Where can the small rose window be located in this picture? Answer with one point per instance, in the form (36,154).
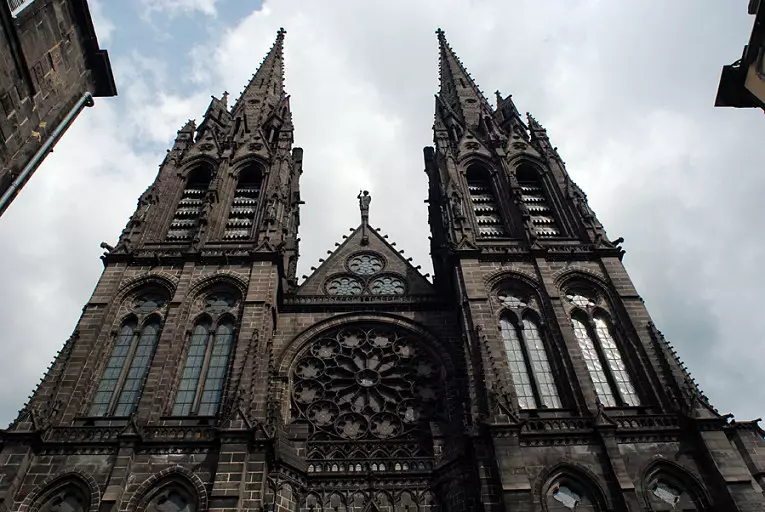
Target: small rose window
(582,298)
(387,285)
(365,264)
(512,299)
(344,286)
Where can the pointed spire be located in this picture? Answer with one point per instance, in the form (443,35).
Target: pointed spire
(458,89)
(266,87)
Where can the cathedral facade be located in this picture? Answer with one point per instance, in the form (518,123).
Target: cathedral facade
(525,376)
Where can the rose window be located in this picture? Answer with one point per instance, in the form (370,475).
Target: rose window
(365,264)
(512,299)
(387,285)
(581,298)
(344,286)
(365,383)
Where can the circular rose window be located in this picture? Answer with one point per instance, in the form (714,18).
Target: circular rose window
(365,383)
(365,264)
(344,286)
(387,285)
(512,299)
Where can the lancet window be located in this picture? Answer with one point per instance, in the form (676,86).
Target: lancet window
(601,353)
(669,488)
(68,496)
(122,380)
(525,352)
(536,202)
(241,215)
(565,493)
(185,223)
(200,389)
(484,201)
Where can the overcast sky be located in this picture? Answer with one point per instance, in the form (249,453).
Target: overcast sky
(625,88)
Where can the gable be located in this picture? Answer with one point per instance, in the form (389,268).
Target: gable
(356,269)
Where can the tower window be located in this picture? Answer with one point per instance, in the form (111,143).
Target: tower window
(242,213)
(185,222)
(536,202)
(484,201)
(528,363)
(601,354)
(122,380)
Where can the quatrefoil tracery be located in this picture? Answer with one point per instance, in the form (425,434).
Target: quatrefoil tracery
(360,383)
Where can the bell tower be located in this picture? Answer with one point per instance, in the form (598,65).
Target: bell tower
(560,347)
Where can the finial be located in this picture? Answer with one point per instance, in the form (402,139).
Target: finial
(364,200)
(439,32)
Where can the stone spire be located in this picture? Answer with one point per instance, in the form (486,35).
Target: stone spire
(265,92)
(458,89)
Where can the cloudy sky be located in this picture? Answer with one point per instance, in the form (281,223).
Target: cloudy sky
(625,89)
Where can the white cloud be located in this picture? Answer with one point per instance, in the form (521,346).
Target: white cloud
(176,7)
(629,107)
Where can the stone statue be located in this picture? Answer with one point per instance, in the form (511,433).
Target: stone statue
(364,200)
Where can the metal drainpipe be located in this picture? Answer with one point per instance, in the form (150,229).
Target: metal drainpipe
(85,101)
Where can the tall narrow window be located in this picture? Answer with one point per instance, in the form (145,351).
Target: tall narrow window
(601,354)
(185,222)
(527,356)
(122,380)
(484,201)
(204,375)
(244,205)
(536,202)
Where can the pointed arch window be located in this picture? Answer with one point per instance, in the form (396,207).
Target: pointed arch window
(609,374)
(526,352)
(121,383)
(536,202)
(528,363)
(484,201)
(244,205)
(204,374)
(185,223)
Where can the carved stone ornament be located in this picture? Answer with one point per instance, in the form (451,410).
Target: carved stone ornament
(255,146)
(365,383)
(519,146)
(206,146)
(472,146)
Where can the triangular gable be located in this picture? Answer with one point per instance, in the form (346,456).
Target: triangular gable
(394,266)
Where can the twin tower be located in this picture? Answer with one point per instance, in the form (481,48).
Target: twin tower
(527,376)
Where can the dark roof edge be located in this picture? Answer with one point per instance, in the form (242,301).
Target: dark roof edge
(96,58)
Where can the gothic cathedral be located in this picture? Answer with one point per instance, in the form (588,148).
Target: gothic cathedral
(525,376)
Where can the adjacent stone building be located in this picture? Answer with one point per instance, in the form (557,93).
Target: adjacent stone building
(50,68)
(527,376)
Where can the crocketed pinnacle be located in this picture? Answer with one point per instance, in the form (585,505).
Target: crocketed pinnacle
(458,89)
(265,91)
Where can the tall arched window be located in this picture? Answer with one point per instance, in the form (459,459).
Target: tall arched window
(668,487)
(244,205)
(484,201)
(123,378)
(125,373)
(566,492)
(185,222)
(604,361)
(526,354)
(535,199)
(204,374)
(68,495)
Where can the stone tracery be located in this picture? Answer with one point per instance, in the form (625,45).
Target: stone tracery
(370,382)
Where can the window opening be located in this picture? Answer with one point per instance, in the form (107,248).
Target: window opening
(484,203)
(185,221)
(535,200)
(242,213)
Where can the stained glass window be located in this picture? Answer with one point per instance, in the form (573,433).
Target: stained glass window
(216,370)
(139,368)
(344,286)
(149,302)
(591,359)
(135,349)
(365,264)
(540,365)
(187,390)
(217,303)
(581,298)
(517,364)
(387,285)
(209,353)
(615,362)
(529,366)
